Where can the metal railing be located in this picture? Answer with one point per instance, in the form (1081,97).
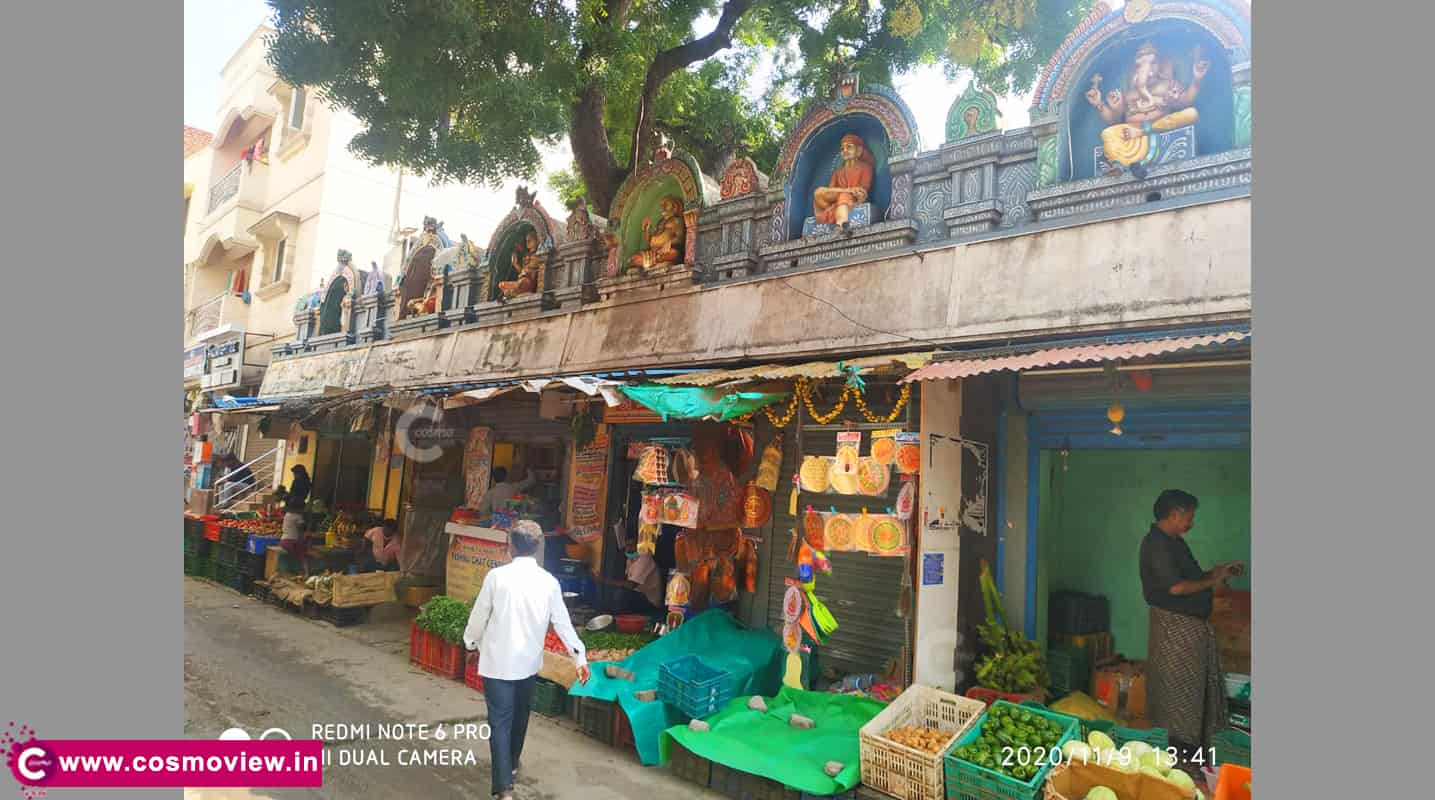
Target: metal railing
(206,316)
(225,188)
(230,491)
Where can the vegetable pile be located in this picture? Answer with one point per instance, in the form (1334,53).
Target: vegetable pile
(607,646)
(444,617)
(930,740)
(1011,663)
(1013,727)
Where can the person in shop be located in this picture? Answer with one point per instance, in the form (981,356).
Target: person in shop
(240,479)
(294,499)
(508,626)
(502,491)
(1186,687)
(380,549)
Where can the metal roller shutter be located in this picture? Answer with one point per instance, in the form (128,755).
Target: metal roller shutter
(863,592)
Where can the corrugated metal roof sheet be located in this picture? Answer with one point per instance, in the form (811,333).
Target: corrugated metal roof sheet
(811,369)
(1054,356)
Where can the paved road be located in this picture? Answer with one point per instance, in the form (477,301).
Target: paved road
(252,666)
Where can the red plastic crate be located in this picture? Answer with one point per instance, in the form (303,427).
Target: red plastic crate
(435,655)
(211,530)
(990,696)
(416,643)
(471,678)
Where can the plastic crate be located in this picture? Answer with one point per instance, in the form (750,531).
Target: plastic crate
(437,656)
(211,530)
(191,563)
(623,737)
(989,696)
(690,766)
(225,556)
(1101,647)
(904,772)
(251,564)
(1231,783)
(343,617)
(259,545)
(967,781)
(471,678)
(550,699)
(1078,613)
(693,687)
(1070,670)
(597,720)
(230,536)
(740,785)
(1158,738)
(1232,747)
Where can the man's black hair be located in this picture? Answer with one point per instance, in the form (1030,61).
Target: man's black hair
(500,474)
(1173,500)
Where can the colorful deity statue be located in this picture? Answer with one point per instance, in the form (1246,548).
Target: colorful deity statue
(527,264)
(1151,100)
(665,240)
(849,186)
(428,303)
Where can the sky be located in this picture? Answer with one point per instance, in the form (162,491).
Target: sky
(214,29)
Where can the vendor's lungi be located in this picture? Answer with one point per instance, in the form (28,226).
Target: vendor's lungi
(1186,686)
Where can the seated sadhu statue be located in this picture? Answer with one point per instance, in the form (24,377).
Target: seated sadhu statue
(850,185)
(1150,101)
(526,263)
(665,240)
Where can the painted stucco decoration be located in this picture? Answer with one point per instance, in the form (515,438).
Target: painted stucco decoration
(337,303)
(974,113)
(879,102)
(1243,116)
(742,178)
(420,289)
(636,201)
(581,225)
(1149,100)
(513,257)
(1227,21)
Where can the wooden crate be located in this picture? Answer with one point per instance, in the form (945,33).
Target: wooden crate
(368,589)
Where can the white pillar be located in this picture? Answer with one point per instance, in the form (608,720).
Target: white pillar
(938,553)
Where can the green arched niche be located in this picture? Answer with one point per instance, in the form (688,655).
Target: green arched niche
(644,203)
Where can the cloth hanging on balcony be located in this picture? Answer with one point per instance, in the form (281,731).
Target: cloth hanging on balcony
(694,402)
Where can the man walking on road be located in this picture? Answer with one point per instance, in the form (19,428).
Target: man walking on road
(508,626)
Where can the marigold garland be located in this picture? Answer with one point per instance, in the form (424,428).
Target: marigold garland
(803,389)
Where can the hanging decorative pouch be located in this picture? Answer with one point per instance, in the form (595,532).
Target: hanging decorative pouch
(681,509)
(906,500)
(651,510)
(771,465)
(684,468)
(756,506)
(648,538)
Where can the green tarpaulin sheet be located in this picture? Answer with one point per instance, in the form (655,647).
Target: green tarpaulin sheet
(763,743)
(694,402)
(753,657)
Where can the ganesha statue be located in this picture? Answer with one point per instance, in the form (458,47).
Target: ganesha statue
(665,240)
(1150,101)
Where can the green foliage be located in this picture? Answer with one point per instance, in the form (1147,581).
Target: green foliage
(469,91)
(568,185)
(444,617)
(1011,662)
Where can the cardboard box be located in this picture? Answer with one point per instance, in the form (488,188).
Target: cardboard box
(368,589)
(415,596)
(1121,687)
(559,668)
(1072,780)
(271,561)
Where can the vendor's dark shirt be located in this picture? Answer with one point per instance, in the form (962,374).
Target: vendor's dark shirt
(1166,561)
(298,493)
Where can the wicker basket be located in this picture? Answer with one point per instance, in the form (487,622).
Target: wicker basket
(904,772)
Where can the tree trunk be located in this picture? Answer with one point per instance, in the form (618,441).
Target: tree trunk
(591,150)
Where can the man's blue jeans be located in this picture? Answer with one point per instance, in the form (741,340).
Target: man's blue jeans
(508,706)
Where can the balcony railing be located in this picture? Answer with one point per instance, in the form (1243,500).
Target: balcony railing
(205,317)
(226,188)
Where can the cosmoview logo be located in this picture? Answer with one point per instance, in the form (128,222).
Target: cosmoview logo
(409,437)
(35,762)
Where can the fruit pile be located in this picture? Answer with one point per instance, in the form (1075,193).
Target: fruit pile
(256,527)
(928,740)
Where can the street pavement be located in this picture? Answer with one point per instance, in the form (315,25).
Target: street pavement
(251,666)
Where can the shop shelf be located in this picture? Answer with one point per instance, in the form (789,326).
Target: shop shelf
(689,766)
(1078,613)
(1232,747)
(967,781)
(905,772)
(596,718)
(550,699)
(693,687)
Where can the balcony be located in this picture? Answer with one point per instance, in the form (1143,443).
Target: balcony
(234,202)
(213,314)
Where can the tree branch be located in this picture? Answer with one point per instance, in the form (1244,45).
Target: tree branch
(673,59)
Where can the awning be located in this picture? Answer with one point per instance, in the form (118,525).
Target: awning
(227,404)
(1076,354)
(695,402)
(812,369)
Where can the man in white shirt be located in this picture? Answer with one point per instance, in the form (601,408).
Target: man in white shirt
(508,626)
(502,491)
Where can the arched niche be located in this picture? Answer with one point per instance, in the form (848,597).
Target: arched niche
(677,175)
(527,216)
(331,310)
(819,157)
(1176,41)
(418,272)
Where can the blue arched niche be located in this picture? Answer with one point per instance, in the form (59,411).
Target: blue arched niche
(819,156)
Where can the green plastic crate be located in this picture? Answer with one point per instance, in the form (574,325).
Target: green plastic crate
(549,699)
(967,781)
(1106,726)
(1069,668)
(1232,747)
(1158,738)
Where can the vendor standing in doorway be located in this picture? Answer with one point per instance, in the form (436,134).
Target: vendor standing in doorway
(1187,694)
(502,491)
(294,500)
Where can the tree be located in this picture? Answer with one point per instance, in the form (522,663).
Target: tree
(470,89)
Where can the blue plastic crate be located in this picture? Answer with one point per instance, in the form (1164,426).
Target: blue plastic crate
(259,545)
(693,687)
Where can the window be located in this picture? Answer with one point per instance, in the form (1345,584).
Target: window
(279,260)
(296,109)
